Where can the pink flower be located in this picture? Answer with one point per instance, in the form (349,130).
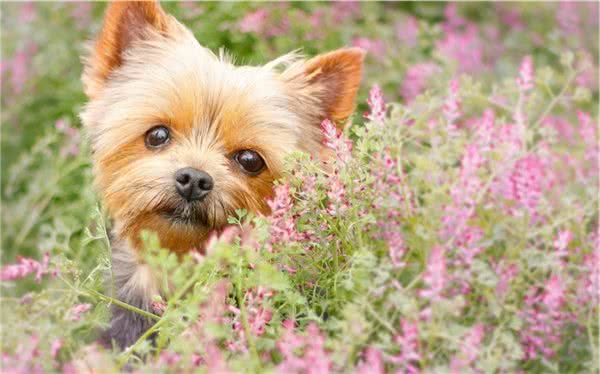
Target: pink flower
(396,247)
(169,358)
(407,31)
(463,45)
(506,274)
(469,350)
(545,317)
(25,267)
(257,316)
(78,310)
(452,106)
(158,307)
(485,131)
(55,347)
(435,277)
(568,18)
(376,105)
(344,10)
(303,354)
(372,46)
(283,222)
(82,13)
(25,358)
(254,22)
(334,139)
(28,12)
(526,183)
(226,236)
(416,79)
(408,342)
(372,362)
(20,66)
(562,242)
(526,78)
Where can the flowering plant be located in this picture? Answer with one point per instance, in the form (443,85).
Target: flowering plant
(453,230)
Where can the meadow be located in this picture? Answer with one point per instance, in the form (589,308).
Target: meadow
(454,231)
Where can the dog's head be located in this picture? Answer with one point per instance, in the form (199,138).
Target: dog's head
(183,137)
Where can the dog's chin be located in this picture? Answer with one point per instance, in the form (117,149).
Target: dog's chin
(193,215)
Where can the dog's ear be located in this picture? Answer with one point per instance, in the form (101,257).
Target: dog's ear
(338,76)
(125,22)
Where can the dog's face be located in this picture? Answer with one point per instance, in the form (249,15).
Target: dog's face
(182,137)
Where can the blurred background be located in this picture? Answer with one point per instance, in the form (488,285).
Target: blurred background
(47,196)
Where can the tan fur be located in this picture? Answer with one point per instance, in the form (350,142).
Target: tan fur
(147,69)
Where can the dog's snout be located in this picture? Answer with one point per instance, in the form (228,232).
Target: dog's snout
(193,184)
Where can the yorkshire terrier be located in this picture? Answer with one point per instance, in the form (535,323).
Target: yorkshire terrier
(182,137)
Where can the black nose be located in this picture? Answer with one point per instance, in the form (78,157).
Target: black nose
(193,184)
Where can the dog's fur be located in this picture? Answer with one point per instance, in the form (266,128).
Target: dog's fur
(146,69)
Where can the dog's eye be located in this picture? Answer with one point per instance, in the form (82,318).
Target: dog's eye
(250,161)
(157,137)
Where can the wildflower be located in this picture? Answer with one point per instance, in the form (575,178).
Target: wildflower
(407,31)
(544,318)
(20,66)
(376,105)
(76,312)
(27,12)
(452,105)
(506,272)
(25,358)
(562,241)
(55,347)
(372,46)
(462,42)
(227,235)
(303,354)
(525,79)
(25,267)
(526,183)
(169,358)
(254,22)
(82,14)
(416,78)
(158,306)
(257,316)
(283,223)
(435,277)
(334,140)
(344,10)
(485,131)
(372,362)
(408,342)
(395,241)
(469,350)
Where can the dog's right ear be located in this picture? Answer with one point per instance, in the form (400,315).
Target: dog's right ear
(125,22)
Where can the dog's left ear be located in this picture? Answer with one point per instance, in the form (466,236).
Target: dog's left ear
(125,23)
(337,76)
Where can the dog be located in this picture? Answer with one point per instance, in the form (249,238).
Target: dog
(181,137)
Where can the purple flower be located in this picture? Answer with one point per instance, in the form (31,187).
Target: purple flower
(526,78)
(376,105)
(416,79)
(78,310)
(435,277)
(303,353)
(373,46)
(24,267)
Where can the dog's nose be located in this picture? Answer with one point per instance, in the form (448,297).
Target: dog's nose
(193,184)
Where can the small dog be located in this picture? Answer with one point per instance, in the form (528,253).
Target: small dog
(182,138)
